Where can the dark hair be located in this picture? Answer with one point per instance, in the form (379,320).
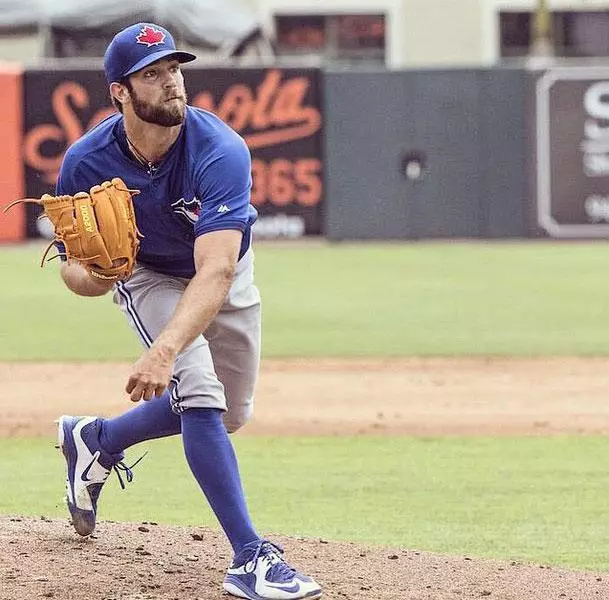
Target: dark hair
(127,83)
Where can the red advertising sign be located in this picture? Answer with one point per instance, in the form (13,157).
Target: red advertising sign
(12,223)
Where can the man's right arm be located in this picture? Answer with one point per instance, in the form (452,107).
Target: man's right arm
(78,280)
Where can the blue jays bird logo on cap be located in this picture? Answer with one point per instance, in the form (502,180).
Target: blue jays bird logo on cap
(188,208)
(150,36)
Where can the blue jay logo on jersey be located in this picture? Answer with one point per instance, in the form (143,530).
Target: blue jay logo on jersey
(189,209)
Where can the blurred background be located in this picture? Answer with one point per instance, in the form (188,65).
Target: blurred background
(367,119)
(376,33)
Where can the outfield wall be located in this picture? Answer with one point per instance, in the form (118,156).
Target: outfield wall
(438,154)
(480,153)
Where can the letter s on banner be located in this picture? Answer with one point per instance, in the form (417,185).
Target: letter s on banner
(67,96)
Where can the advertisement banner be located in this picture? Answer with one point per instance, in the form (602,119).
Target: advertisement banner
(277,111)
(572,114)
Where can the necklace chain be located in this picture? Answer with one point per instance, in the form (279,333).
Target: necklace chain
(138,155)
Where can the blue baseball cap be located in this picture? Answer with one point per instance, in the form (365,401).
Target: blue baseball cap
(137,46)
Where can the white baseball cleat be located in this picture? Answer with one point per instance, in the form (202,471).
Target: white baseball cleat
(259,572)
(88,466)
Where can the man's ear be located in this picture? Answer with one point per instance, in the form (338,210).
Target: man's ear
(119,92)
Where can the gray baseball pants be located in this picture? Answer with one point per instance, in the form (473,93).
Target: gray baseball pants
(220,368)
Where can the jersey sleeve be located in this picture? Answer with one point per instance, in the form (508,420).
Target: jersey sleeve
(64,184)
(224,187)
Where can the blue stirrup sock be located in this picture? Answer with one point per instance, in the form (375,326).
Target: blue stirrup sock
(149,420)
(213,462)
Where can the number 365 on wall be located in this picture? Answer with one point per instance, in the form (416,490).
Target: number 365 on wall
(282,182)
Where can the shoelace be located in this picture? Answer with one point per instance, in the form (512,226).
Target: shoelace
(280,571)
(127,470)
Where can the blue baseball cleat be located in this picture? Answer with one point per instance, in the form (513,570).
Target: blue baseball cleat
(259,572)
(88,467)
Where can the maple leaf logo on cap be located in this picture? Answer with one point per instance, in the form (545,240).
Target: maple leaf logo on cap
(150,36)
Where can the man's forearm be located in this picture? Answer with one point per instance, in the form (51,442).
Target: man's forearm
(78,280)
(199,304)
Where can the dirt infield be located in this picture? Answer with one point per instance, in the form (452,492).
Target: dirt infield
(40,558)
(333,397)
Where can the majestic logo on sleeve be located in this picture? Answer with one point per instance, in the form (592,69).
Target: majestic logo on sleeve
(189,209)
(149,36)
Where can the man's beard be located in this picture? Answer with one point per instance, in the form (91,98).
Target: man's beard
(167,114)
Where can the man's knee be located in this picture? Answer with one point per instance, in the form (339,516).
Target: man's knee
(235,419)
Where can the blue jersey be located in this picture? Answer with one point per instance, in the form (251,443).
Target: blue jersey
(203,184)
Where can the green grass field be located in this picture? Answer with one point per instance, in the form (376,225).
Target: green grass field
(541,499)
(537,499)
(355,300)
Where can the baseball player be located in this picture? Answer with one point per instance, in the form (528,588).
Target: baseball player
(191,298)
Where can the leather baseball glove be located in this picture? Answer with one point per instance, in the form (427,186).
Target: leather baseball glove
(97,228)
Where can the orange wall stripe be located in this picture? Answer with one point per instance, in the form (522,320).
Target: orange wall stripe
(12,223)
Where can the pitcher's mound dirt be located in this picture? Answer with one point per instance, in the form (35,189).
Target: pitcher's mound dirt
(46,559)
